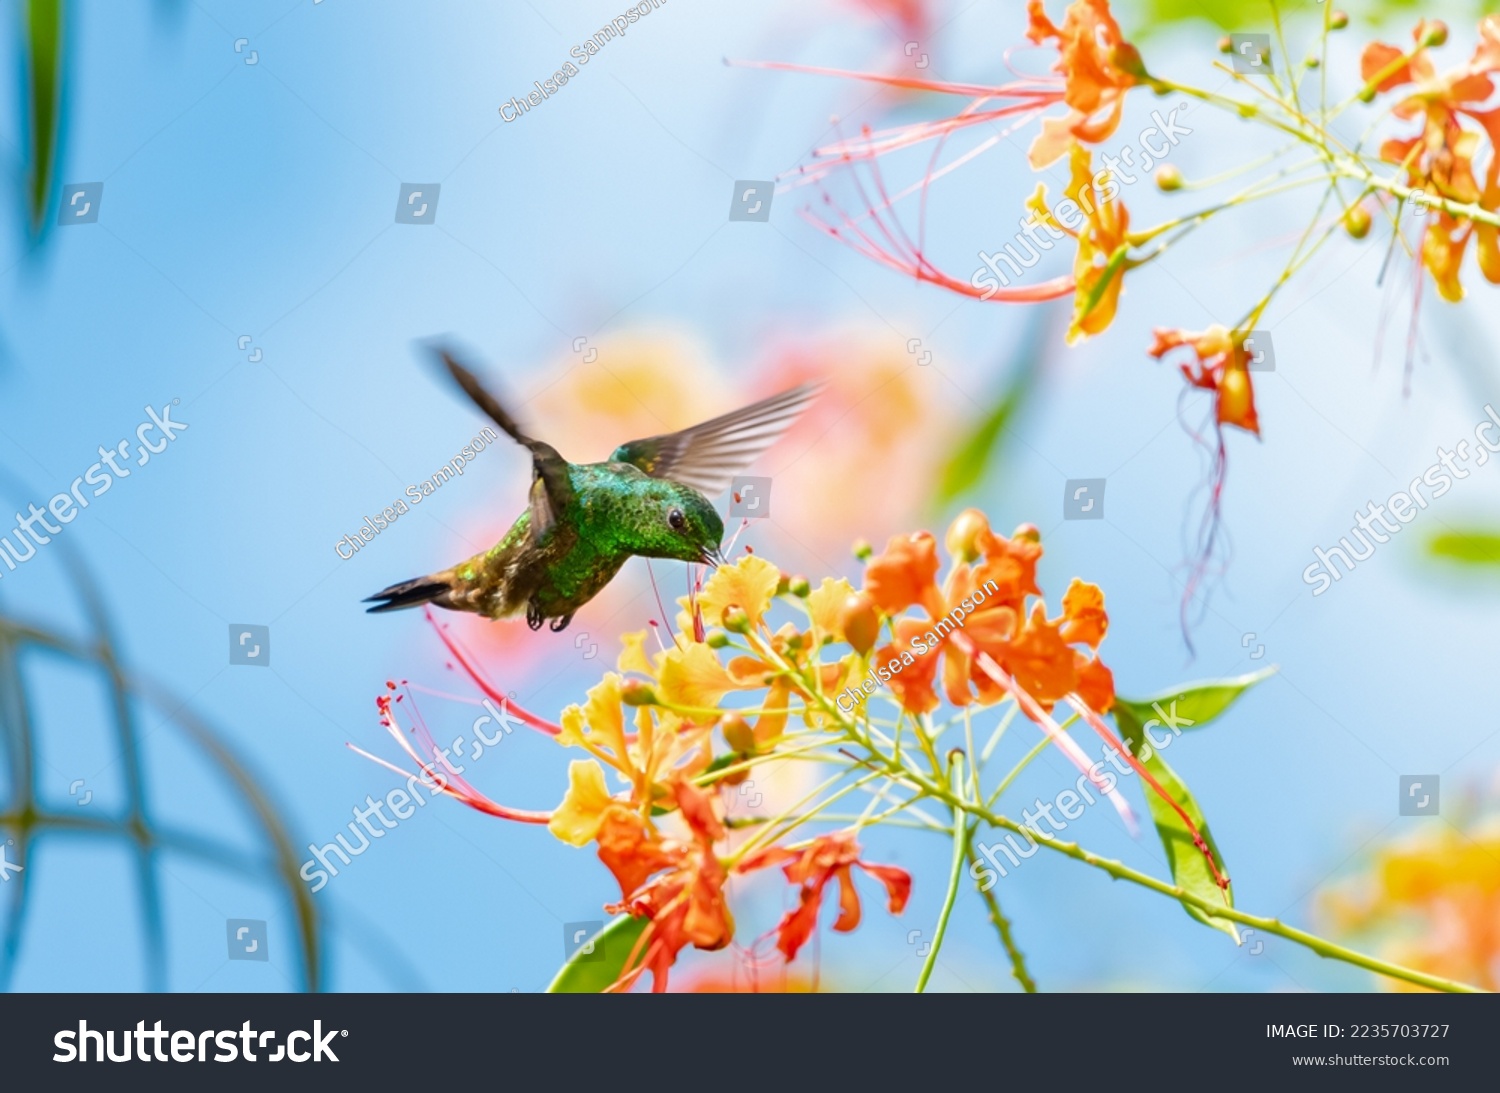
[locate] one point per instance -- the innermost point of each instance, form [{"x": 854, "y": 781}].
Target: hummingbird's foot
[
  {"x": 561, "y": 624},
  {"x": 534, "y": 617}
]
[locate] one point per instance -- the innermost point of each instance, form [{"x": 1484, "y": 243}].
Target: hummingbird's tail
[{"x": 433, "y": 588}]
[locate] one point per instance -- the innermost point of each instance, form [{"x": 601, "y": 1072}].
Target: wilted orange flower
[
  {"x": 1099, "y": 67},
  {"x": 1101, "y": 224},
  {"x": 1221, "y": 364},
  {"x": 825, "y": 859}
]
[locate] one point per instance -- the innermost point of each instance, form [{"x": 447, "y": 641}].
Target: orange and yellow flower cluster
[{"x": 662, "y": 741}]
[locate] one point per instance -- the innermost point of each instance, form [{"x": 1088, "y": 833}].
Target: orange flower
[
  {"x": 1099, "y": 66},
  {"x": 1095, "y": 67},
  {"x": 979, "y": 631},
  {"x": 986, "y": 603},
  {"x": 685, "y": 905},
  {"x": 1440, "y": 160},
  {"x": 825, "y": 859},
  {"x": 1222, "y": 365}
]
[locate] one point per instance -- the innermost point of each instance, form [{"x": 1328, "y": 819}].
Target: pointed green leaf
[
  {"x": 1469, "y": 547},
  {"x": 1192, "y": 705},
  {"x": 600, "y": 960},
  {"x": 44, "y": 60},
  {"x": 1189, "y": 867}
]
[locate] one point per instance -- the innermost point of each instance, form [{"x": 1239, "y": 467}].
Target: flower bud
[
  {"x": 1313, "y": 60},
  {"x": 860, "y": 622},
  {"x": 738, "y": 734},
  {"x": 735, "y": 619},
  {"x": 1226, "y": 45},
  {"x": 963, "y": 535},
  {"x": 1127, "y": 58},
  {"x": 799, "y": 587},
  {"x": 716, "y": 639},
  {"x": 863, "y": 549},
  {"x": 1029, "y": 532},
  {"x": 1357, "y": 221},
  {"x": 1338, "y": 20},
  {"x": 1432, "y": 32},
  {"x": 1168, "y": 178},
  {"x": 636, "y": 692}
]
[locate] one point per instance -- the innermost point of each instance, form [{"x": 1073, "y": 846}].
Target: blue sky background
[{"x": 258, "y": 200}]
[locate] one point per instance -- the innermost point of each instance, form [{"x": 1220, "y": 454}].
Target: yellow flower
[
  {"x": 693, "y": 676},
  {"x": 633, "y": 656},
  {"x": 583, "y": 807},
  {"x": 749, "y": 585},
  {"x": 826, "y": 605},
  {"x": 598, "y": 724}
]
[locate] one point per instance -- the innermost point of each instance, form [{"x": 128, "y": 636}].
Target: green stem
[
  {"x": 1002, "y": 927},
  {"x": 955, "y": 877},
  {"x": 1458, "y": 209},
  {"x": 1321, "y": 946},
  {"x": 1120, "y": 871}
]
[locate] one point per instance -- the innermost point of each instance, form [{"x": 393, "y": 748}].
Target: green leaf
[
  {"x": 967, "y": 462},
  {"x": 1193, "y": 705},
  {"x": 44, "y": 78},
  {"x": 1467, "y": 547},
  {"x": 1189, "y": 867},
  {"x": 591, "y": 972}
]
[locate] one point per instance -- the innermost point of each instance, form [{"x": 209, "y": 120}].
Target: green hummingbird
[{"x": 649, "y": 498}]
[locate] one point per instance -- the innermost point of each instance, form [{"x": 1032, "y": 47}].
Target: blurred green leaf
[
  {"x": 1466, "y": 547},
  {"x": 44, "y": 77},
  {"x": 972, "y": 456},
  {"x": 1252, "y": 15},
  {"x": 591, "y": 972},
  {"x": 1195, "y": 704}
]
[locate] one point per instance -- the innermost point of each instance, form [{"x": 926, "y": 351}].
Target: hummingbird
[{"x": 584, "y": 521}]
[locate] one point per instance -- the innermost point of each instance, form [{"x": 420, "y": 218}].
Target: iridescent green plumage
[{"x": 586, "y": 520}]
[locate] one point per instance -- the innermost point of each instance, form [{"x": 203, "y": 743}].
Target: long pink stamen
[
  {"x": 899, "y": 252},
  {"x": 1043, "y": 88},
  {"x": 466, "y": 661},
  {"x": 1088, "y": 714},
  {"x": 451, "y": 782},
  {"x": 1054, "y": 731}
]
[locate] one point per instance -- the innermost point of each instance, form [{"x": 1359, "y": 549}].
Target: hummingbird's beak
[{"x": 711, "y": 556}]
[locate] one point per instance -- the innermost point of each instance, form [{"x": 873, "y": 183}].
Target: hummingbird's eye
[{"x": 675, "y": 519}]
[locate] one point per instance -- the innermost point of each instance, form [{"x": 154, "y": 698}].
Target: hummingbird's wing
[
  {"x": 708, "y": 456},
  {"x": 551, "y": 489}
]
